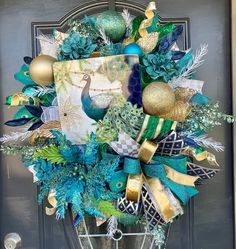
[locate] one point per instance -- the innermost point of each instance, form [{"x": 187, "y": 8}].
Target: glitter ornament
[
  {"x": 113, "y": 24},
  {"x": 158, "y": 98},
  {"x": 133, "y": 48},
  {"x": 41, "y": 70}
]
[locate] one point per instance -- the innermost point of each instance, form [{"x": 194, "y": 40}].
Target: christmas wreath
[{"x": 115, "y": 121}]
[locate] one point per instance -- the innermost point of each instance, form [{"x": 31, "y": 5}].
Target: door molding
[
  {"x": 233, "y": 68},
  {"x": 95, "y": 7}
]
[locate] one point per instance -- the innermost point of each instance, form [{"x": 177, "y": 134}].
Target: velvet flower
[
  {"x": 76, "y": 47},
  {"x": 160, "y": 66}
]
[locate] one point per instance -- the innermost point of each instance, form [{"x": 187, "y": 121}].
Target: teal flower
[
  {"x": 76, "y": 47},
  {"x": 160, "y": 66}
]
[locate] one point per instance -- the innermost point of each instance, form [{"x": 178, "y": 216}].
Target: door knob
[{"x": 12, "y": 241}]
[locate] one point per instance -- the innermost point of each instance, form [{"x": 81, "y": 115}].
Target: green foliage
[
  {"x": 50, "y": 153},
  {"x": 205, "y": 117},
  {"x": 25, "y": 152},
  {"x": 107, "y": 208}
]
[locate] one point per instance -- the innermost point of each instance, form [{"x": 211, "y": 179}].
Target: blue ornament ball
[{"x": 133, "y": 48}]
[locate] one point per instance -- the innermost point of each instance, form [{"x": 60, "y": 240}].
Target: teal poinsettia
[
  {"x": 160, "y": 66},
  {"x": 76, "y": 47}
]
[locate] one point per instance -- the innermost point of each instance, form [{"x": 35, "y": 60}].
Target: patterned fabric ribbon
[
  {"x": 178, "y": 182},
  {"x": 157, "y": 176}
]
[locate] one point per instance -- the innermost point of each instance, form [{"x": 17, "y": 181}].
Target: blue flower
[
  {"x": 160, "y": 66},
  {"x": 76, "y": 47}
]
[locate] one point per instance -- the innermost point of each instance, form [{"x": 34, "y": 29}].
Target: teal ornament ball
[
  {"x": 113, "y": 24},
  {"x": 133, "y": 48}
]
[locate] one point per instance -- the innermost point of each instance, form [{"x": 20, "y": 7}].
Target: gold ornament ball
[
  {"x": 158, "y": 98},
  {"x": 41, "y": 71}
]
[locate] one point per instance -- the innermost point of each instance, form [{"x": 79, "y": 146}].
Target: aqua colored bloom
[
  {"x": 76, "y": 47},
  {"x": 160, "y": 66}
]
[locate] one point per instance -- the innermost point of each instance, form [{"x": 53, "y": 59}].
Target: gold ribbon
[
  {"x": 205, "y": 155},
  {"x": 53, "y": 202},
  {"x": 149, "y": 13},
  {"x": 160, "y": 197},
  {"x": 148, "y": 42},
  {"x": 21, "y": 99},
  {"x": 134, "y": 187},
  {"x": 180, "y": 178},
  {"x": 147, "y": 151}
]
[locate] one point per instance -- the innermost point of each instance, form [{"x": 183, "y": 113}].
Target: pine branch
[
  {"x": 15, "y": 136},
  {"x": 40, "y": 91},
  {"x": 50, "y": 153},
  {"x": 102, "y": 34},
  {"x": 196, "y": 62},
  {"x": 191, "y": 67},
  {"x": 45, "y": 38},
  {"x": 128, "y": 19},
  {"x": 208, "y": 142},
  {"x": 111, "y": 226}
]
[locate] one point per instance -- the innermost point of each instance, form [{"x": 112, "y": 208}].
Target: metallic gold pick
[
  {"x": 184, "y": 94},
  {"x": 148, "y": 42},
  {"x": 20, "y": 99},
  {"x": 44, "y": 131},
  {"x": 149, "y": 13}
]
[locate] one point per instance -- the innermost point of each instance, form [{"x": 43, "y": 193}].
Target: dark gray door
[{"x": 208, "y": 221}]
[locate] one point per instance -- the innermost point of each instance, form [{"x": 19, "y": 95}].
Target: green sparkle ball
[{"x": 113, "y": 24}]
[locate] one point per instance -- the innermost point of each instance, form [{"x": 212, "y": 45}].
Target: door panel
[{"x": 208, "y": 220}]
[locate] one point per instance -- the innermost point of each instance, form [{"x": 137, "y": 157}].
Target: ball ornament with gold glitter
[
  {"x": 158, "y": 98},
  {"x": 112, "y": 23},
  {"x": 41, "y": 71}
]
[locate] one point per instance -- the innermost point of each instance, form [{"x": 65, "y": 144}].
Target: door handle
[{"x": 12, "y": 241}]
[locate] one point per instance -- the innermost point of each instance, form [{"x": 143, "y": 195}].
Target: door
[{"x": 208, "y": 220}]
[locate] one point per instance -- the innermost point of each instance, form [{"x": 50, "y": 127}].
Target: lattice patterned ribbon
[{"x": 157, "y": 172}]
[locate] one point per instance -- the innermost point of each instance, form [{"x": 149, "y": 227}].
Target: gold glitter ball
[
  {"x": 158, "y": 98},
  {"x": 41, "y": 71}
]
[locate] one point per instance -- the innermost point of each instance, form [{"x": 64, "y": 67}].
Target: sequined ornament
[
  {"x": 41, "y": 70},
  {"x": 158, "y": 98},
  {"x": 112, "y": 23},
  {"x": 133, "y": 48}
]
